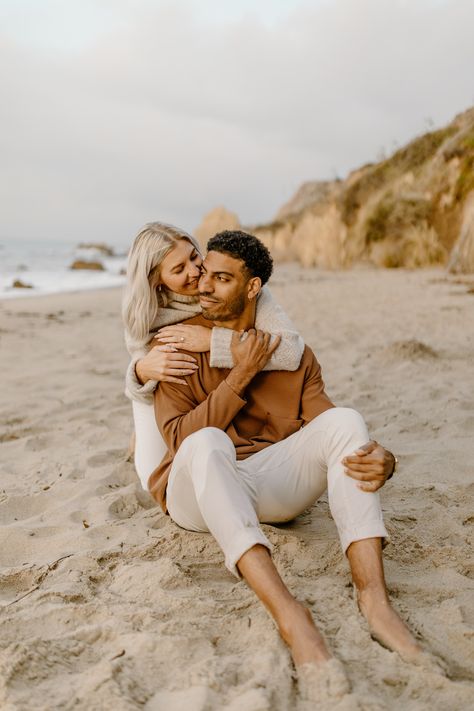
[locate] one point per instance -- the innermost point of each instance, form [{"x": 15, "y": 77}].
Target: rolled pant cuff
[
  {"x": 246, "y": 540},
  {"x": 372, "y": 529}
]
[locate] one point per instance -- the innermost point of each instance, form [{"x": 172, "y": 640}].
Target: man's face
[{"x": 222, "y": 287}]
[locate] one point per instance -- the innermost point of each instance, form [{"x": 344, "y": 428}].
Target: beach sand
[{"x": 106, "y": 604}]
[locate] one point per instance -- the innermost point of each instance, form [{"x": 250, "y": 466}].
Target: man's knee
[
  {"x": 343, "y": 422},
  {"x": 206, "y": 439}
]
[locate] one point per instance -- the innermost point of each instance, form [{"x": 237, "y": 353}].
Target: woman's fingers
[
  {"x": 168, "y": 338},
  {"x": 169, "y": 379},
  {"x": 164, "y": 348},
  {"x": 176, "y": 355},
  {"x": 178, "y": 371}
]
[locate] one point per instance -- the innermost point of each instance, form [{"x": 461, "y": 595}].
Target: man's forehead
[{"x": 218, "y": 262}]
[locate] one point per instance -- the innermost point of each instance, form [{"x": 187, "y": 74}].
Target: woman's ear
[{"x": 254, "y": 287}]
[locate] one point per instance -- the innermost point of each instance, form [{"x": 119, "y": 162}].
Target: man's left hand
[{"x": 371, "y": 465}]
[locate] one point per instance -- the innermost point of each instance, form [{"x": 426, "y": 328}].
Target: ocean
[{"x": 45, "y": 267}]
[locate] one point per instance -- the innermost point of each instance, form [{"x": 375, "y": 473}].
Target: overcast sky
[{"x": 117, "y": 112}]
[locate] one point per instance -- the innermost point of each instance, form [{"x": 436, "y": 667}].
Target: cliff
[{"x": 414, "y": 209}]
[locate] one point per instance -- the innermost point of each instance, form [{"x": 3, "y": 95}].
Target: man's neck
[{"x": 243, "y": 322}]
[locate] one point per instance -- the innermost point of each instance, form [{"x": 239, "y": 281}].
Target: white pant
[
  {"x": 209, "y": 490},
  {"x": 150, "y": 447}
]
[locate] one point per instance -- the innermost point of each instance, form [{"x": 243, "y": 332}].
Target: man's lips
[{"x": 205, "y": 300}]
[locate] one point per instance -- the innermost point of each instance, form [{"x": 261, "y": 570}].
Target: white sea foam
[{"x": 45, "y": 267}]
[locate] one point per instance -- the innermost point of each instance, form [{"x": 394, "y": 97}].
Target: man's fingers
[
  {"x": 364, "y": 475},
  {"x": 363, "y": 451},
  {"x": 273, "y": 346},
  {"x": 236, "y": 336},
  {"x": 367, "y": 461},
  {"x": 366, "y": 448},
  {"x": 370, "y": 486}
]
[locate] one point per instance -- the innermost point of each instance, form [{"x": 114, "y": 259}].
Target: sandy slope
[{"x": 107, "y": 605}]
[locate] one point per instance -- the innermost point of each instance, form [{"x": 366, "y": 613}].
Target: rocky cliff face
[{"x": 413, "y": 209}]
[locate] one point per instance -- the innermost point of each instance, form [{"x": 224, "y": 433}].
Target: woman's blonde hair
[{"x": 142, "y": 298}]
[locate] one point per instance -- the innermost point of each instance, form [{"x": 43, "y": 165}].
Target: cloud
[{"x": 164, "y": 114}]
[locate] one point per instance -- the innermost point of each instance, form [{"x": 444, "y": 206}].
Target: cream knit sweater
[{"x": 270, "y": 317}]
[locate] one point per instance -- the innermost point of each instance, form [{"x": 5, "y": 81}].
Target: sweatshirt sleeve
[
  {"x": 272, "y": 318},
  {"x": 133, "y": 387},
  {"x": 178, "y": 413}
]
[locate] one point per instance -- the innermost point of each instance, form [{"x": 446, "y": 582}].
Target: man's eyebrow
[{"x": 219, "y": 272}]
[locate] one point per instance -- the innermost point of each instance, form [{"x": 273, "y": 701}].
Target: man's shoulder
[{"x": 308, "y": 358}]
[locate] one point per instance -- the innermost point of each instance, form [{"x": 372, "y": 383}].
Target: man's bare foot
[
  {"x": 386, "y": 626},
  {"x": 322, "y": 683},
  {"x": 298, "y": 630},
  {"x": 320, "y": 676}
]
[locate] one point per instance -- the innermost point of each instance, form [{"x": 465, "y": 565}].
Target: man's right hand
[{"x": 250, "y": 356}]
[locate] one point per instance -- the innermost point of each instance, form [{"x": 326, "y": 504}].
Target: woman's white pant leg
[
  {"x": 207, "y": 491},
  {"x": 150, "y": 447},
  {"x": 357, "y": 513}
]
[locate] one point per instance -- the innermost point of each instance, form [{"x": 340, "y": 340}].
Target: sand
[{"x": 106, "y": 604}]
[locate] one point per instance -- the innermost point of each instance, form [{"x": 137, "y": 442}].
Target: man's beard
[{"x": 227, "y": 310}]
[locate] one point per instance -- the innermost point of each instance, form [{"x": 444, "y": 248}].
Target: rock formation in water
[{"x": 83, "y": 264}]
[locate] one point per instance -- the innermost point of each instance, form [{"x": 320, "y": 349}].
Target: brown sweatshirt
[{"x": 277, "y": 403}]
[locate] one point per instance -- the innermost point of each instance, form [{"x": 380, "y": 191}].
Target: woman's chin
[{"x": 190, "y": 291}]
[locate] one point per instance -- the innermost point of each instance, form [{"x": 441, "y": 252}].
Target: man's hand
[
  {"x": 250, "y": 357},
  {"x": 371, "y": 465}
]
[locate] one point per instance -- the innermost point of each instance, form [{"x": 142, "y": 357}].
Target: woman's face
[{"x": 181, "y": 269}]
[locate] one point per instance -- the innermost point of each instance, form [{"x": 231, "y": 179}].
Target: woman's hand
[
  {"x": 164, "y": 363},
  {"x": 196, "y": 339}
]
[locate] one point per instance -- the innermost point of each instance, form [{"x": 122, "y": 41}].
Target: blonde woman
[{"x": 164, "y": 266}]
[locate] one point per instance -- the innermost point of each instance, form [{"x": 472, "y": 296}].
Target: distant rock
[
  {"x": 97, "y": 247},
  {"x": 215, "y": 221},
  {"x": 18, "y": 284},
  {"x": 83, "y": 264}
]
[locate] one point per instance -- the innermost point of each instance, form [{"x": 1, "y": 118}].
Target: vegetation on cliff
[{"x": 409, "y": 210}]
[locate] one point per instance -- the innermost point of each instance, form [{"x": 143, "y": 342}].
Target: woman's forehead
[{"x": 180, "y": 251}]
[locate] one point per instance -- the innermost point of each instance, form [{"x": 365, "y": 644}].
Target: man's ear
[{"x": 253, "y": 288}]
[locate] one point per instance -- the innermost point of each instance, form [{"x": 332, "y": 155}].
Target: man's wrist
[
  {"x": 394, "y": 466},
  {"x": 238, "y": 379}
]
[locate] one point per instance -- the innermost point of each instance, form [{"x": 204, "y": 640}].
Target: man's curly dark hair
[{"x": 249, "y": 249}]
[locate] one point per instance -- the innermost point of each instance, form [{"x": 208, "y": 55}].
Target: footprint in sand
[
  {"x": 104, "y": 458},
  {"x": 125, "y": 506}
]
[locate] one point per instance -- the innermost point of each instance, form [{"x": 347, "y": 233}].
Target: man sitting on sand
[{"x": 247, "y": 446}]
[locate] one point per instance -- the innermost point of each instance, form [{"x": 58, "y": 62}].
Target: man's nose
[{"x": 205, "y": 284}]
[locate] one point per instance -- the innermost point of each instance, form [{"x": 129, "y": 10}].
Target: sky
[{"x": 114, "y": 113}]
